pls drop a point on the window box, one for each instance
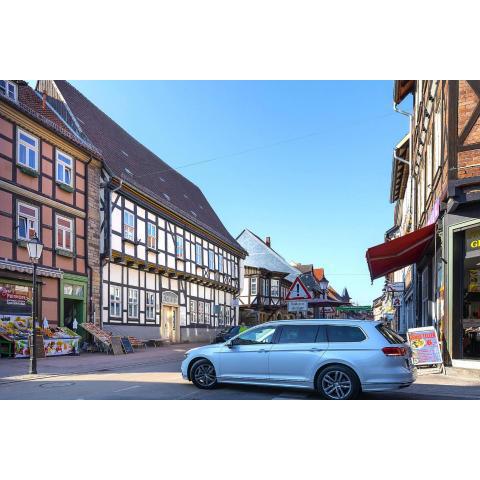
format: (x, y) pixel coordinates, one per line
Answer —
(22, 243)
(64, 186)
(28, 171)
(64, 253)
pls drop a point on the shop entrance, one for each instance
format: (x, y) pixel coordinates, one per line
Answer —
(73, 309)
(169, 328)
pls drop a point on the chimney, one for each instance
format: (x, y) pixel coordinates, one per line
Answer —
(44, 100)
(267, 241)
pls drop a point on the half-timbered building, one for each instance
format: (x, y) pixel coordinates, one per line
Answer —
(435, 253)
(170, 269)
(267, 279)
(49, 180)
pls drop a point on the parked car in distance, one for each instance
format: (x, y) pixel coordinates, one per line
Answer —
(337, 358)
(226, 334)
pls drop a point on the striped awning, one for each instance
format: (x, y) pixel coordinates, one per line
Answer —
(12, 266)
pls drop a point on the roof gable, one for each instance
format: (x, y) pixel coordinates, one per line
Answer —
(261, 255)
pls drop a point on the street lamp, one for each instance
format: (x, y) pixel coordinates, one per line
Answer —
(34, 248)
(323, 285)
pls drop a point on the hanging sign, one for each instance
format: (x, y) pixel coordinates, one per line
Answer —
(425, 346)
(298, 291)
(297, 306)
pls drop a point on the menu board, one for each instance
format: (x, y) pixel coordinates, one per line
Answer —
(425, 346)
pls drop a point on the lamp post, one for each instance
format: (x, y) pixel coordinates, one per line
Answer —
(323, 284)
(34, 252)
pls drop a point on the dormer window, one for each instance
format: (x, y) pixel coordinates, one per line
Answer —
(8, 89)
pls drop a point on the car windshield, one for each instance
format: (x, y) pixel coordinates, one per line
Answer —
(389, 334)
(255, 336)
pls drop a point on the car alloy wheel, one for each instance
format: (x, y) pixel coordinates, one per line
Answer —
(337, 385)
(203, 374)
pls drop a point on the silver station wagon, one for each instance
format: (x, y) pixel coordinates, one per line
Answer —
(337, 358)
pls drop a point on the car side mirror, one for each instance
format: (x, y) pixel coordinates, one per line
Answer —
(229, 344)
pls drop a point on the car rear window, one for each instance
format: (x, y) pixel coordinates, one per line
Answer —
(389, 334)
(298, 334)
(343, 333)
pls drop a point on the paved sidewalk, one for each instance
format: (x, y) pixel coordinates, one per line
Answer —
(16, 369)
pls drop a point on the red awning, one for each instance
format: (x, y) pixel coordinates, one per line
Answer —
(398, 253)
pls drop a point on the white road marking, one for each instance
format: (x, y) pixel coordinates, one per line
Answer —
(126, 388)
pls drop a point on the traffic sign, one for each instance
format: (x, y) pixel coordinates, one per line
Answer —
(298, 291)
(297, 306)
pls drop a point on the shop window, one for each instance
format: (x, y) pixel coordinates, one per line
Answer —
(27, 221)
(151, 235)
(132, 303)
(471, 295)
(115, 301)
(27, 150)
(64, 236)
(201, 312)
(150, 305)
(179, 247)
(8, 89)
(193, 311)
(64, 168)
(128, 225)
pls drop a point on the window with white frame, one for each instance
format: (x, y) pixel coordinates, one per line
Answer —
(193, 311)
(253, 286)
(198, 254)
(266, 287)
(227, 315)
(27, 221)
(179, 247)
(150, 305)
(201, 312)
(64, 236)
(151, 235)
(208, 313)
(220, 263)
(128, 225)
(235, 270)
(115, 301)
(27, 150)
(275, 287)
(8, 89)
(221, 311)
(64, 168)
(133, 303)
(211, 260)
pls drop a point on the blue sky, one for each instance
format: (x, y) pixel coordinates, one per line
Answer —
(315, 172)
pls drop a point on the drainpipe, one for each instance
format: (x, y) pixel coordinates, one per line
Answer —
(413, 203)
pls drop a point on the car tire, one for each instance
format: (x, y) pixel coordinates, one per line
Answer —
(338, 382)
(203, 375)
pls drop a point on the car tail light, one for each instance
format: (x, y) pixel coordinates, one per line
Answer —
(394, 351)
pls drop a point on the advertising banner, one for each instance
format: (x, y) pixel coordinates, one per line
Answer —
(425, 346)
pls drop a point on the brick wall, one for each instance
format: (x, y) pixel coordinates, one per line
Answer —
(93, 237)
